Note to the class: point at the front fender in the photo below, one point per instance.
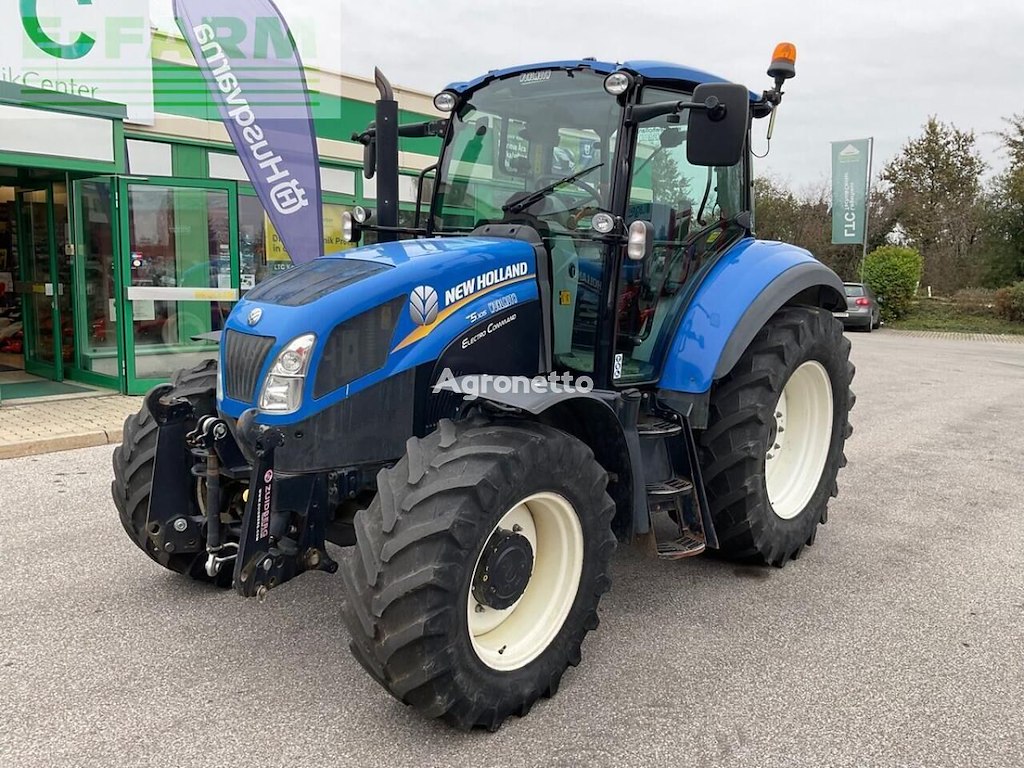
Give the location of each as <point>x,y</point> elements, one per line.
<point>604,421</point>
<point>742,291</point>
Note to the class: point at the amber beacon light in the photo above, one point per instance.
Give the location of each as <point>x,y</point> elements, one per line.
<point>783,62</point>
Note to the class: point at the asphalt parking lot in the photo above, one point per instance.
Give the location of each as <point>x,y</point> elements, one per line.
<point>897,640</point>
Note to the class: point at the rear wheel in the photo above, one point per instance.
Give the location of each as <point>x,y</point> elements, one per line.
<point>774,443</point>
<point>133,472</point>
<point>478,569</point>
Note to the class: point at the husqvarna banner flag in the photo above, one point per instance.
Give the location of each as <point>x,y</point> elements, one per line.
<point>251,63</point>
<point>850,163</point>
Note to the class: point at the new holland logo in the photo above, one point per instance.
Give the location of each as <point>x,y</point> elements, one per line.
<point>423,305</point>
<point>255,315</point>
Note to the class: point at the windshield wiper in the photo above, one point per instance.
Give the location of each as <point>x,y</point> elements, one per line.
<point>533,197</point>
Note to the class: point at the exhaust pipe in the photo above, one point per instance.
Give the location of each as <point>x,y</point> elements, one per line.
<point>387,157</point>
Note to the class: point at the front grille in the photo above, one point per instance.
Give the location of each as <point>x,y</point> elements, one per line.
<point>244,355</point>
<point>308,282</point>
<point>357,347</point>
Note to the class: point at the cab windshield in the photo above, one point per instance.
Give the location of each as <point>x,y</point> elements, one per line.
<point>518,135</point>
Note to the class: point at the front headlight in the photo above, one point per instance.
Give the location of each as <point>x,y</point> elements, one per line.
<point>282,391</point>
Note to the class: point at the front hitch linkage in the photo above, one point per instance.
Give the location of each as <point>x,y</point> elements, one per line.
<point>208,440</point>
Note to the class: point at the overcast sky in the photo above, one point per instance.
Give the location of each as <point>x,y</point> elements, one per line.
<point>871,68</point>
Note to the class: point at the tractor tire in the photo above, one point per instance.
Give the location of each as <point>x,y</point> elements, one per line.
<point>451,514</point>
<point>133,471</point>
<point>774,444</point>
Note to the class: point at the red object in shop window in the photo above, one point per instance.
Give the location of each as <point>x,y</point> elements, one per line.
<point>99,330</point>
<point>12,345</point>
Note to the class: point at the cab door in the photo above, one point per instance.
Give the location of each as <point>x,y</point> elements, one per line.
<point>689,208</point>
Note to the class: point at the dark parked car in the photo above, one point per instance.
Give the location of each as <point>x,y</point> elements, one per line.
<point>862,309</point>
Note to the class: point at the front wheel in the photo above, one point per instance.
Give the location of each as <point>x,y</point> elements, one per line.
<point>774,443</point>
<point>478,569</point>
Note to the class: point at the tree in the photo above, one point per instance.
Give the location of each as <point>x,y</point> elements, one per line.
<point>1004,205</point>
<point>668,183</point>
<point>1013,138</point>
<point>935,187</point>
<point>776,210</point>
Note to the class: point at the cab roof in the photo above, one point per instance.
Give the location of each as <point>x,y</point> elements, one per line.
<point>649,70</point>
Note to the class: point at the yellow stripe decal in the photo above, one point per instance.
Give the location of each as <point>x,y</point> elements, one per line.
<point>425,330</point>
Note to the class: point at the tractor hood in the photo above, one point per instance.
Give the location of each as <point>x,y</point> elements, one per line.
<point>383,308</point>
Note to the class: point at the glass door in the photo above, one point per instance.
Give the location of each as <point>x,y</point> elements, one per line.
<point>179,273</point>
<point>40,287</point>
<point>98,352</point>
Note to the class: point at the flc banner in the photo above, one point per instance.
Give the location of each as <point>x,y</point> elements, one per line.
<point>850,162</point>
<point>252,67</point>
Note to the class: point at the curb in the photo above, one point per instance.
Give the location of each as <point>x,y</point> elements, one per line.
<point>992,338</point>
<point>92,439</point>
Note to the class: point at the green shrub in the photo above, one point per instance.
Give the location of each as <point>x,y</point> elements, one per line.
<point>1010,302</point>
<point>893,273</point>
<point>975,301</point>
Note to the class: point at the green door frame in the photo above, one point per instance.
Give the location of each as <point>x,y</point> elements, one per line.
<point>26,257</point>
<point>133,384</point>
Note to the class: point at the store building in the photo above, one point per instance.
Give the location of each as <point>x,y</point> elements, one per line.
<point>120,241</point>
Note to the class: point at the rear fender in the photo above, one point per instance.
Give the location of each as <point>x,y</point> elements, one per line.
<point>743,290</point>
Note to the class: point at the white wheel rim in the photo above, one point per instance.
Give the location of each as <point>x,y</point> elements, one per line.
<point>512,638</point>
<point>795,459</point>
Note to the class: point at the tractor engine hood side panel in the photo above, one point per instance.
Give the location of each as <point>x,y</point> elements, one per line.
<point>428,293</point>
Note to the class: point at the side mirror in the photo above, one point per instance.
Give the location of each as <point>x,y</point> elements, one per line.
<point>716,136</point>
<point>369,159</point>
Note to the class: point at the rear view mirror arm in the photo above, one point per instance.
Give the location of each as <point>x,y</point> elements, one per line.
<point>408,131</point>
<point>368,139</point>
<point>641,113</point>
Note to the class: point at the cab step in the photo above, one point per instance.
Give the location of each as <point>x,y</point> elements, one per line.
<point>658,428</point>
<point>676,528</point>
<point>669,489</point>
<point>687,545</point>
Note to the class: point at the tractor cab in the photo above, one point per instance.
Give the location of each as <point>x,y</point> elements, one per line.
<point>590,155</point>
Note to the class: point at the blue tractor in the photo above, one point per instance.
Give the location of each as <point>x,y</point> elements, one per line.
<point>577,342</point>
